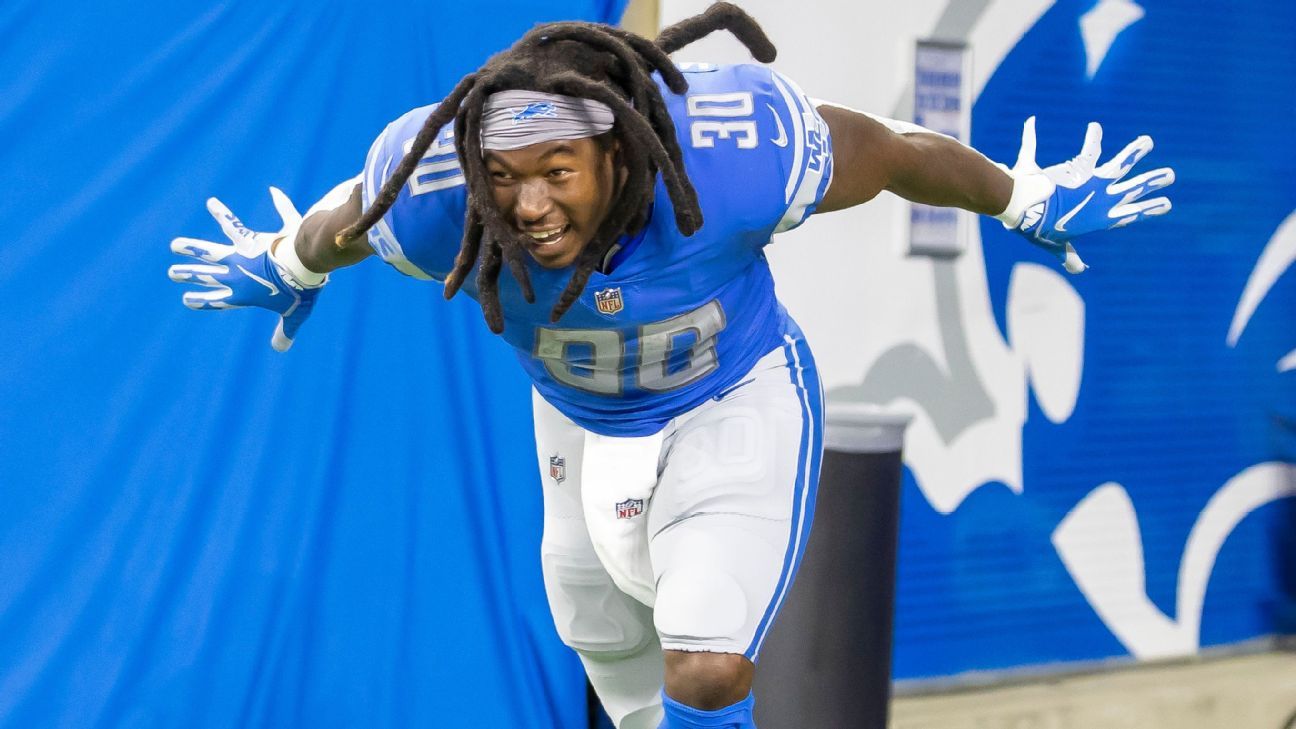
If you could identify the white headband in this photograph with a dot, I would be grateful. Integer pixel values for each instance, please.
(513, 119)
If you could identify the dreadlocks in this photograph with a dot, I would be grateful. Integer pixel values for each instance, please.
(590, 60)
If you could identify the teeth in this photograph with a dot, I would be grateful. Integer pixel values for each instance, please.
(547, 236)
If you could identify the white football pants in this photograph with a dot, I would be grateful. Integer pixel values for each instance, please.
(711, 543)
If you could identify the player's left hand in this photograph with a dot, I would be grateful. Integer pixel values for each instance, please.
(247, 272)
(1053, 205)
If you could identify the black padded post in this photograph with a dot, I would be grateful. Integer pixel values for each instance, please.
(826, 663)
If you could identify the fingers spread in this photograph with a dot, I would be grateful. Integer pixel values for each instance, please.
(205, 250)
(1120, 165)
(213, 299)
(1092, 147)
(1136, 187)
(230, 225)
(1026, 156)
(200, 274)
(285, 207)
(1131, 212)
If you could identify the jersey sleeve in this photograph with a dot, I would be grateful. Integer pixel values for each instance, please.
(757, 150)
(807, 158)
(422, 231)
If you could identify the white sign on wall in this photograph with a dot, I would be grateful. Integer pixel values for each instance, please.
(942, 103)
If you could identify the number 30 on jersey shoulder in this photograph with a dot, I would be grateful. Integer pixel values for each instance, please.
(723, 116)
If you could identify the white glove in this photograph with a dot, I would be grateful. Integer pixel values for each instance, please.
(247, 273)
(1053, 205)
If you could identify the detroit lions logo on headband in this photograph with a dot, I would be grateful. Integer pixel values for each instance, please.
(534, 110)
(519, 118)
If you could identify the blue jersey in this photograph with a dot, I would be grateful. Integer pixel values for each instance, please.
(676, 320)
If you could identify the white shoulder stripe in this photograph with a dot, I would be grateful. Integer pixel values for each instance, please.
(371, 184)
(811, 167)
(381, 237)
(798, 135)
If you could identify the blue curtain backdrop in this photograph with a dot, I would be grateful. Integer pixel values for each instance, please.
(195, 530)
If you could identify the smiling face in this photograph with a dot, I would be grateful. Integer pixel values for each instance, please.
(554, 193)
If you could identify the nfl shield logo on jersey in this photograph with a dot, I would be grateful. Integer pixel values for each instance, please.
(558, 468)
(629, 508)
(609, 301)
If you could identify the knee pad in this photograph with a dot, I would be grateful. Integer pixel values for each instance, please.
(591, 615)
(700, 606)
(717, 580)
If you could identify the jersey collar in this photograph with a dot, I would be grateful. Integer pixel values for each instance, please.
(625, 246)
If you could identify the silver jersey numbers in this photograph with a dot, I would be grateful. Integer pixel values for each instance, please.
(672, 353)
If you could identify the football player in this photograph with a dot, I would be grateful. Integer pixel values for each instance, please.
(678, 413)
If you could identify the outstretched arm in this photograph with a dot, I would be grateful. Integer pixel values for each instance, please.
(921, 166)
(1049, 206)
(314, 244)
(281, 271)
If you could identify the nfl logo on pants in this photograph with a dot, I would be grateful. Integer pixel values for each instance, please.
(558, 468)
(629, 508)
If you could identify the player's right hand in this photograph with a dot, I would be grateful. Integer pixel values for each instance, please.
(246, 273)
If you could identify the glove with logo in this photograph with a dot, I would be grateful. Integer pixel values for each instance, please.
(1053, 205)
(249, 273)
